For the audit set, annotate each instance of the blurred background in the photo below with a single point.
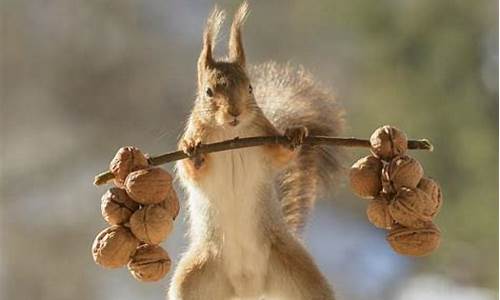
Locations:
(82, 78)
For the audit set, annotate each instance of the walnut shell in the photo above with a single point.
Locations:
(432, 189)
(415, 242)
(151, 224)
(412, 208)
(126, 160)
(402, 171)
(113, 246)
(149, 263)
(388, 142)
(149, 186)
(117, 206)
(378, 213)
(364, 177)
(172, 204)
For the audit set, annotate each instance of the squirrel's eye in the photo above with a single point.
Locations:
(209, 92)
(250, 89)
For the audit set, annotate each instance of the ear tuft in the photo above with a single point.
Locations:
(210, 33)
(212, 28)
(236, 51)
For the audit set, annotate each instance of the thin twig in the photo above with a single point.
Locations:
(238, 143)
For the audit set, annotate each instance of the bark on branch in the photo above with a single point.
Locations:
(238, 143)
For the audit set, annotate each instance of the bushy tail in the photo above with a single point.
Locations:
(290, 97)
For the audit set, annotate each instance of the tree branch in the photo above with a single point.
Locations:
(238, 143)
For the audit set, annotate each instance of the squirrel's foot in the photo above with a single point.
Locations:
(296, 135)
(190, 148)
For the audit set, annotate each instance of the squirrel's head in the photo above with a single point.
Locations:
(225, 96)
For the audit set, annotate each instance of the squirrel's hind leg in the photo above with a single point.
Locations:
(198, 277)
(293, 275)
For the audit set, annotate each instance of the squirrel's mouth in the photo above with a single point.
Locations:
(234, 122)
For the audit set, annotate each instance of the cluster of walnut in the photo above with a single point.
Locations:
(402, 200)
(141, 210)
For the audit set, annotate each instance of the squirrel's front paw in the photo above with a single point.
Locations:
(296, 135)
(190, 148)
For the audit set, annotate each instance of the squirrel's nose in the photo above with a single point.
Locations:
(234, 113)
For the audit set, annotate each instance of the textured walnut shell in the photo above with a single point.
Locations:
(172, 204)
(151, 224)
(126, 160)
(388, 142)
(364, 177)
(117, 206)
(149, 186)
(402, 171)
(378, 213)
(415, 242)
(412, 208)
(431, 188)
(149, 263)
(113, 247)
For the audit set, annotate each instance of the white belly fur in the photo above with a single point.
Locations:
(225, 209)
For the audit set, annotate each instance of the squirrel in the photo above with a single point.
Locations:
(246, 207)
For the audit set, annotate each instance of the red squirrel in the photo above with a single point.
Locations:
(247, 206)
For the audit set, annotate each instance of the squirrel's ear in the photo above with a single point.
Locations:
(236, 52)
(212, 28)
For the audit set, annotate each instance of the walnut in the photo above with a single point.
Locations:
(117, 206)
(172, 204)
(149, 263)
(412, 208)
(378, 212)
(126, 160)
(113, 246)
(364, 177)
(149, 186)
(432, 189)
(151, 224)
(402, 171)
(387, 142)
(415, 242)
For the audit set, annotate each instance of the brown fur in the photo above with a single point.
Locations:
(280, 156)
(194, 171)
(291, 97)
(296, 269)
(284, 101)
(195, 272)
(284, 97)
